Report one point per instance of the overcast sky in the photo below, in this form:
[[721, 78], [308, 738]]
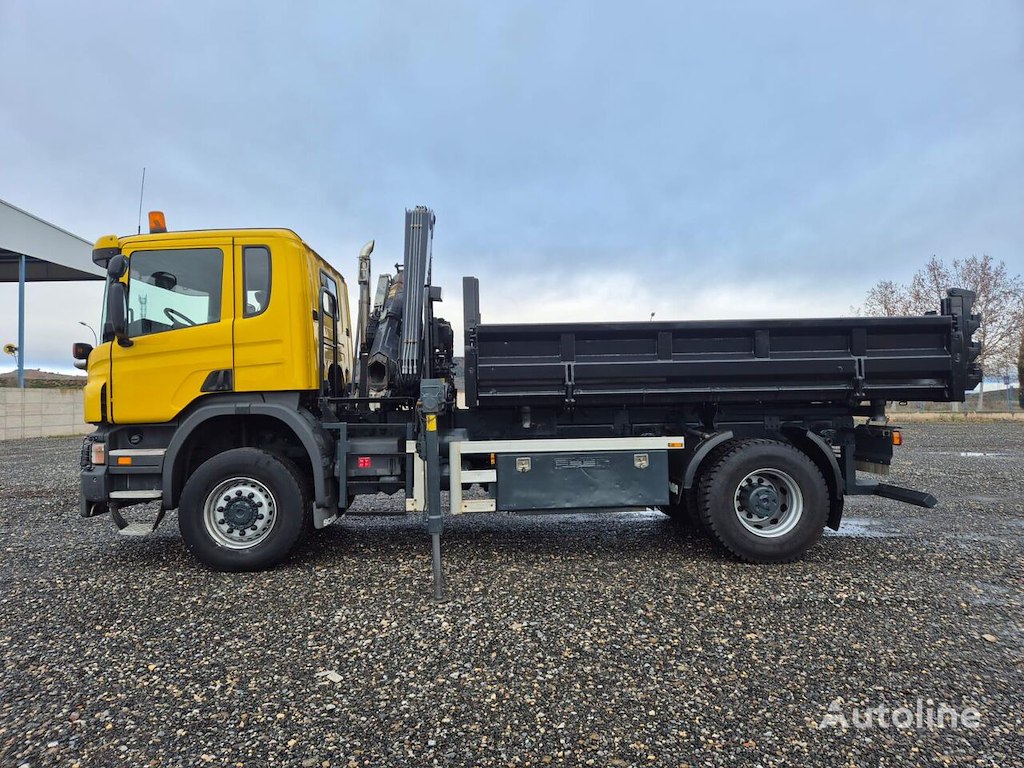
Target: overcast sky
[[585, 160]]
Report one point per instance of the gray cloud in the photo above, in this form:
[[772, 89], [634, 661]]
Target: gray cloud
[[674, 155]]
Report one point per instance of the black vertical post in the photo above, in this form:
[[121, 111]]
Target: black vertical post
[[435, 520], [471, 319], [432, 401]]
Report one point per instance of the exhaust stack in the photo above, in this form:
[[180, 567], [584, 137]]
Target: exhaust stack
[[363, 321]]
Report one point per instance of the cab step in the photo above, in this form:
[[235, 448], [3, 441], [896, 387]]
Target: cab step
[[134, 529], [137, 495]]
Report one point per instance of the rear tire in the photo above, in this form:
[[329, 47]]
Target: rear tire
[[243, 510], [764, 501]]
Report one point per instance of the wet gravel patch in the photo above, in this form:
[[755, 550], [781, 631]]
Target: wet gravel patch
[[611, 639]]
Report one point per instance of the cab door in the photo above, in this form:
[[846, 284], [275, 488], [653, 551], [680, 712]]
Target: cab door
[[266, 359], [180, 318]]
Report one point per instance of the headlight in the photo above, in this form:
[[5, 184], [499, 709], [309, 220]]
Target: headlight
[[94, 452]]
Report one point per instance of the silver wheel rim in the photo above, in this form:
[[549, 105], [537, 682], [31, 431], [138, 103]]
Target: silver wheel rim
[[768, 503], [239, 513]]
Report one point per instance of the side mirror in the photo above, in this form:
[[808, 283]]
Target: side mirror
[[117, 266], [80, 350], [117, 315]]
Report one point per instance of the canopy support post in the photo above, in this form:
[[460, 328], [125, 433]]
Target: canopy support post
[[21, 321]]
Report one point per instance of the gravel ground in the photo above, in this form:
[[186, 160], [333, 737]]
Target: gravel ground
[[605, 639]]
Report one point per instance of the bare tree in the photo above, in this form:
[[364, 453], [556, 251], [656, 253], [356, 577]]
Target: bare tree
[[888, 299], [1020, 366], [1000, 300]]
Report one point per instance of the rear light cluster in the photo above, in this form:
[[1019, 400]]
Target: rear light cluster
[[364, 462]]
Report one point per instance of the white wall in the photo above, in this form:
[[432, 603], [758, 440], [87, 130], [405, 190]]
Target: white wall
[[41, 413]]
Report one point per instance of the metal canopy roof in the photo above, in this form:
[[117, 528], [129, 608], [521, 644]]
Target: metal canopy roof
[[51, 253], [33, 250]]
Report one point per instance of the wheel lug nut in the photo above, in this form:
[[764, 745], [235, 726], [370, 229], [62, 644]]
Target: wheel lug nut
[[253, 528], [238, 493], [227, 498], [251, 494], [220, 509], [220, 522], [259, 503], [260, 517]]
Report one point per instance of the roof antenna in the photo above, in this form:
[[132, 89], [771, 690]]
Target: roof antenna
[[142, 191]]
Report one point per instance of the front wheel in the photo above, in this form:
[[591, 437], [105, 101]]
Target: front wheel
[[764, 501], [243, 510]]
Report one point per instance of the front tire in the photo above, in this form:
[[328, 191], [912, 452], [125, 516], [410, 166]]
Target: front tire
[[243, 510], [764, 501]]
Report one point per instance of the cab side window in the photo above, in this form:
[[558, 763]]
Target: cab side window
[[256, 272], [173, 289], [328, 284]]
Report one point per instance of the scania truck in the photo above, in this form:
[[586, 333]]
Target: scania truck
[[230, 385]]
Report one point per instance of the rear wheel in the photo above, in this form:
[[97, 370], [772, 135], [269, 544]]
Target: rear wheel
[[243, 510], [764, 501]]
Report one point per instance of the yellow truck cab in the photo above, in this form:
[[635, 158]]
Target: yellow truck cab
[[213, 340], [216, 311]]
